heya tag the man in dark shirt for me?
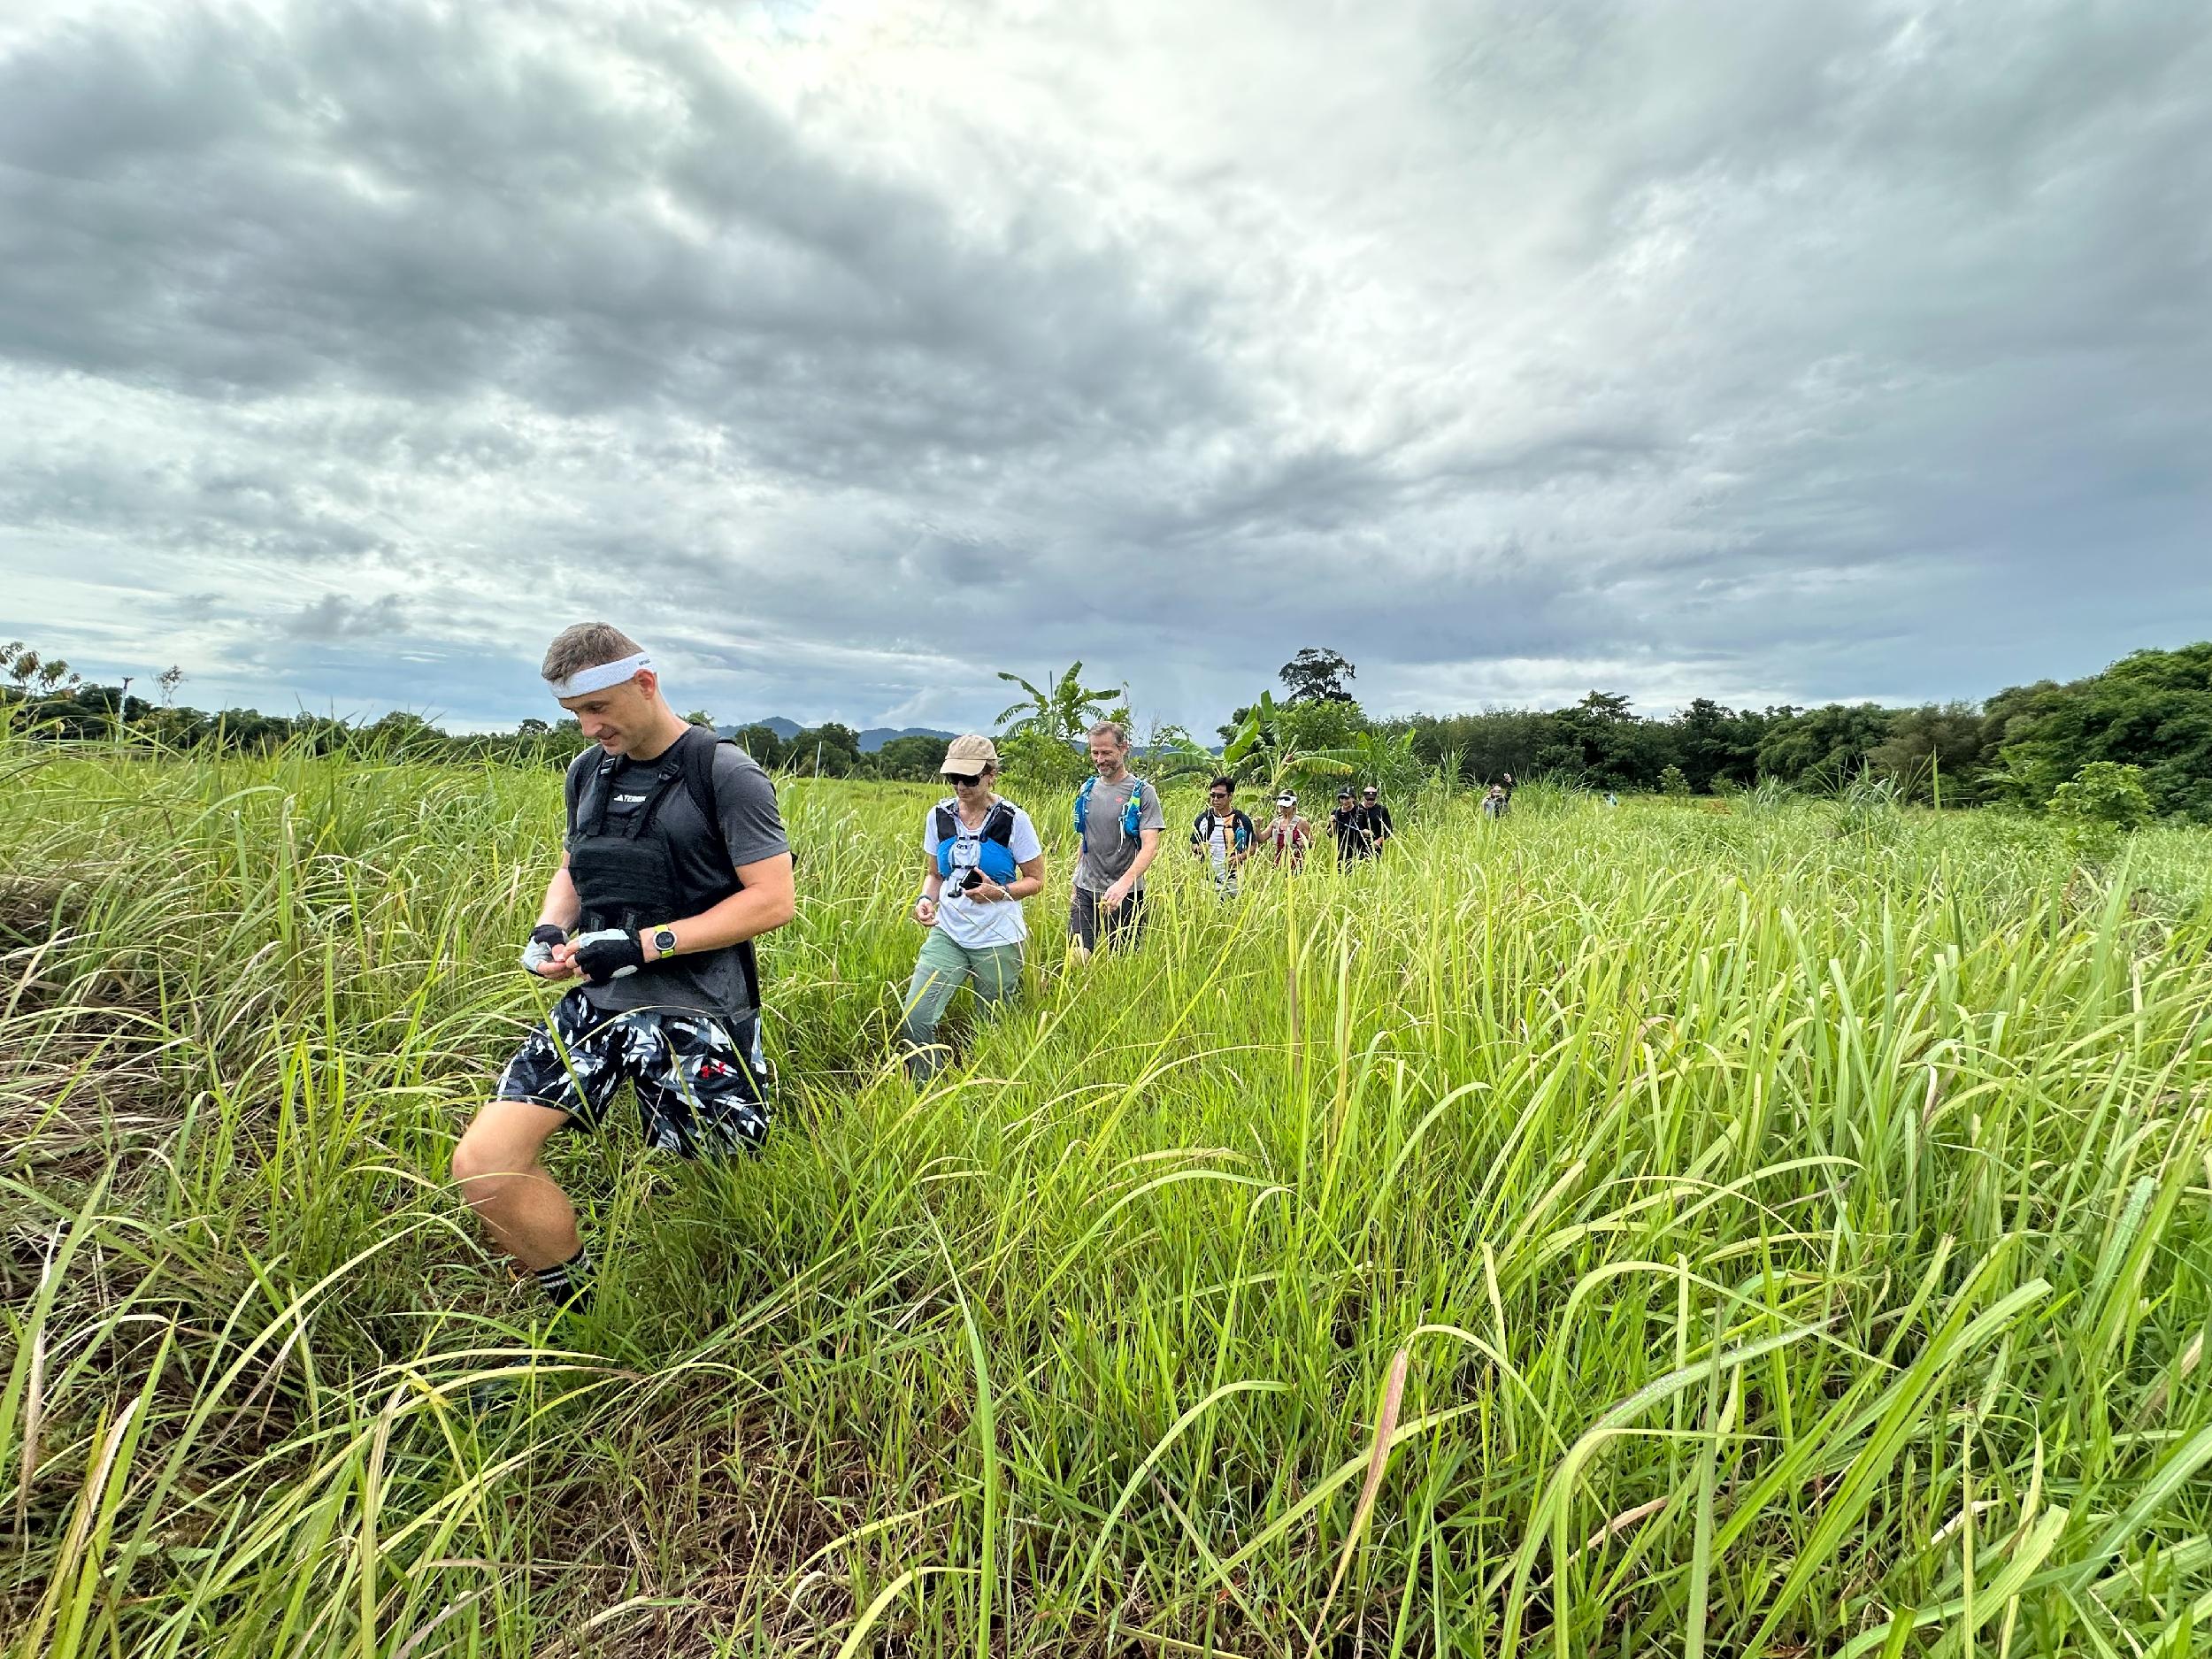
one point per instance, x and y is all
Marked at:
(1375, 827)
(1344, 823)
(675, 861)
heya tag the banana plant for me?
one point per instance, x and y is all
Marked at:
(1257, 751)
(1061, 713)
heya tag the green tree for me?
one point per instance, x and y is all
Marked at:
(2152, 709)
(1316, 675)
(1714, 742)
(1600, 739)
(762, 743)
(1828, 745)
(1931, 748)
(915, 758)
(1674, 782)
(828, 751)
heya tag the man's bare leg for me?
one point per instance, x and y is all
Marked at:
(499, 1169)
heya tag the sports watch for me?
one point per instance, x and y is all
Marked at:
(664, 941)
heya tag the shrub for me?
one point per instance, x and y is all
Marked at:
(2104, 801)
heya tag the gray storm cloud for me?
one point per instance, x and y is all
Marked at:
(852, 353)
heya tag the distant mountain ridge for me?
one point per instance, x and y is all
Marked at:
(871, 739)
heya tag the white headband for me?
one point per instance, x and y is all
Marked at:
(599, 679)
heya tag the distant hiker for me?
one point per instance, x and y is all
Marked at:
(1117, 825)
(1611, 799)
(674, 862)
(1288, 833)
(1506, 786)
(983, 859)
(1223, 834)
(1375, 827)
(1494, 802)
(1344, 825)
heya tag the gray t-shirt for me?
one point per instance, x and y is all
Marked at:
(745, 800)
(1108, 855)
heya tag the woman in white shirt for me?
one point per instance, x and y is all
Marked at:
(984, 859)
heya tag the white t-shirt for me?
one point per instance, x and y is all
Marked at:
(969, 923)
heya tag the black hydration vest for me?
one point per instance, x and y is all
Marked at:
(628, 876)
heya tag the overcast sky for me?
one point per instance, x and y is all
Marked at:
(847, 353)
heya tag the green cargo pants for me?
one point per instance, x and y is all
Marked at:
(942, 968)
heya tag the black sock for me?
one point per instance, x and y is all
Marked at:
(568, 1284)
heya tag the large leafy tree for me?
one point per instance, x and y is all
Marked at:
(1602, 739)
(1316, 675)
(1713, 741)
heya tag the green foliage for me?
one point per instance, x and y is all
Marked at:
(1674, 782)
(915, 758)
(2104, 792)
(2102, 803)
(828, 751)
(1602, 741)
(1032, 759)
(1063, 711)
(1316, 675)
(1310, 747)
(2152, 709)
(762, 743)
(1169, 753)
(1934, 749)
(1868, 809)
(1824, 747)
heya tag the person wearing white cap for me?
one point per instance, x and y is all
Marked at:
(983, 859)
(675, 861)
(1288, 833)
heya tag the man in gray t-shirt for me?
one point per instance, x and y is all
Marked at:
(1109, 870)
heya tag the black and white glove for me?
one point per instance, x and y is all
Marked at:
(608, 954)
(539, 952)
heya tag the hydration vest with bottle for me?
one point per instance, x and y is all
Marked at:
(987, 850)
(1131, 812)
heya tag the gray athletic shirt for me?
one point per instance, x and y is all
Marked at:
(1110, 853)
(745, 800)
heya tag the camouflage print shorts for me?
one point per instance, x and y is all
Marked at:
(702, 1083)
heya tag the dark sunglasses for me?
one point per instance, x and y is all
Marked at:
(964, 780)
(1217, 795)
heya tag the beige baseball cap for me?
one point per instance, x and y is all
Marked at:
(970, 756)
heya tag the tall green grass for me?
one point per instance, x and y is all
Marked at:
(1652, 1231)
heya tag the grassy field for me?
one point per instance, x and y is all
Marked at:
(1666, 1230)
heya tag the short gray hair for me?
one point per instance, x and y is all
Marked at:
(586, 645)
(1113, 729)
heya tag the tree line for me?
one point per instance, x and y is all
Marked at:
(2151, 711)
